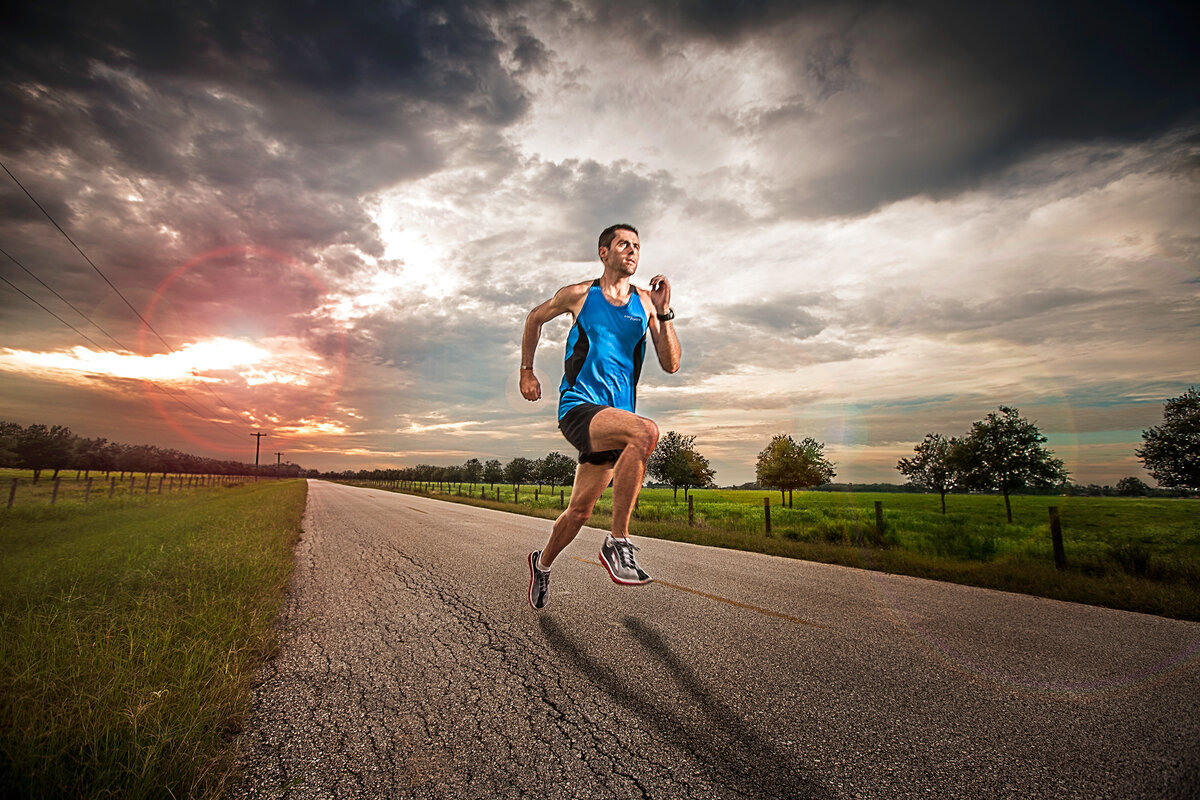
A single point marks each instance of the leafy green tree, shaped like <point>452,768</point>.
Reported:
<point>493,472</point>
<point>933,465</point>
<point>676,462</point>
<point>696,473</point>
<point>472,471</point>
<point>1132,487</point>
<point>10,434</point>
<point>786,465</point>
<point>518,471</point>
<point>1171,451</point>
<point>556,469</point>
<point>1005,451</point>
<point>40,447</point>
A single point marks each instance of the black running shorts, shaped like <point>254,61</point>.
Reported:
<point>575,426</point>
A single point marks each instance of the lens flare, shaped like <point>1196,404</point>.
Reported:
<point>262,374</point>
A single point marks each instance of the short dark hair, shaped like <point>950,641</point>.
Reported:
<point>610,233</point>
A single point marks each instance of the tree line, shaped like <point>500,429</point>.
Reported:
<point>55,447</point>
<point>1005,452</point>
<point>555,469</point>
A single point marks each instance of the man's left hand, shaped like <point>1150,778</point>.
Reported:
<point>660,294</point>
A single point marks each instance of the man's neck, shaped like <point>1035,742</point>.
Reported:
<point>615,287</point>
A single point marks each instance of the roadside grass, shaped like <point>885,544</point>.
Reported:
<point>73,486</point>
<point>130,631</point>
<point>1138,554</point>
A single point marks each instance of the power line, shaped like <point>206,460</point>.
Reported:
<point>124,299</point>
<point>85,257</point>
<point>161,389</point>
<point>152,384</point>
<point>138,314</point>
<point>51,313</point>
<point>65,300</point>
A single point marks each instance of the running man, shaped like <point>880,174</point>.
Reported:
<point>596,402</point>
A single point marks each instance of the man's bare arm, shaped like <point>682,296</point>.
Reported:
<point>566,300</point>
<point>666,344</point>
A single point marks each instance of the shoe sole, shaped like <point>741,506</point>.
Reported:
<point>615,579</point>
<point>532,567</point>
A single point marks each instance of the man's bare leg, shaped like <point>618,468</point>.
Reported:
<point>590,482</point>
<point>636,437</point>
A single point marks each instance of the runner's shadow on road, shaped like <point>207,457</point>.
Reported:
<point>738,755</point>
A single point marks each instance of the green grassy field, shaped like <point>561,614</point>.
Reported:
<point>1131,553</point>
<point>73,487</point>
<point>130,630</point>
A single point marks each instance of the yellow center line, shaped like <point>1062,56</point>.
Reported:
<point>766,611</point>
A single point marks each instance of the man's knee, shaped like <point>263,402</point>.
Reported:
<point>578,514</point>
<point>646,436</point>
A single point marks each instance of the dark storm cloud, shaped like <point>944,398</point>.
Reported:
<point>937,96</point>
<point>358,56</point>
<point>1077,69</point>
<point>254,104</point>
<point>155,132</point>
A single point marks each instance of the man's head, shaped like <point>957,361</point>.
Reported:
<point>606,235</point>
<point>620,248</point>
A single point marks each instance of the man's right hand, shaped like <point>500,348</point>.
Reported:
<point>531,387</point>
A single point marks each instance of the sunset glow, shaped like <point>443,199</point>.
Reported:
<point>191,363</point>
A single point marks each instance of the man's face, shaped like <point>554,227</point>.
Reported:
<point>622,254</point>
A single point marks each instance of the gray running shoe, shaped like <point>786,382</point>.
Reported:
<point>618,558</point>
<point>539,581</point>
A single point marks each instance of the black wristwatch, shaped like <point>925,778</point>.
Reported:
<point>667,317</point>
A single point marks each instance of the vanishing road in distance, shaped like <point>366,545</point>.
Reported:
<point>412,665</point>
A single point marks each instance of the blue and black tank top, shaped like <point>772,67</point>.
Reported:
<point>605,349</point>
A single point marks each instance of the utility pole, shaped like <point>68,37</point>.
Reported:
<point>257,442</point>
<point>277,457</point>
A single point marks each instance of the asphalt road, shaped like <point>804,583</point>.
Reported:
<point>413,666</point>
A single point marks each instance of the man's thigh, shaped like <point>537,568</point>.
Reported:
<point>613,429</point>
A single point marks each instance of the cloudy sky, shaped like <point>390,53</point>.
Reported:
<point>880,219</point>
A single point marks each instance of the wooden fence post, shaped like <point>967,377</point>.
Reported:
<point>12,493</point>
<point>767,513</point>
<point>147,483</point>
<point>112,488</point>
<point>87,490</point>
<point>878,523</point>
<point>132,485</point>
<point>1060,555</point>
<point>562,493</point>
<point>161,478</point>
<point>54,494</point>
<point>691,511</point>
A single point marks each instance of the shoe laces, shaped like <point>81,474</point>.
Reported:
<point>625,552</point>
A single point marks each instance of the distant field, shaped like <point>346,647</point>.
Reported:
<point>130,630</point>
<point>1133,553</point>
